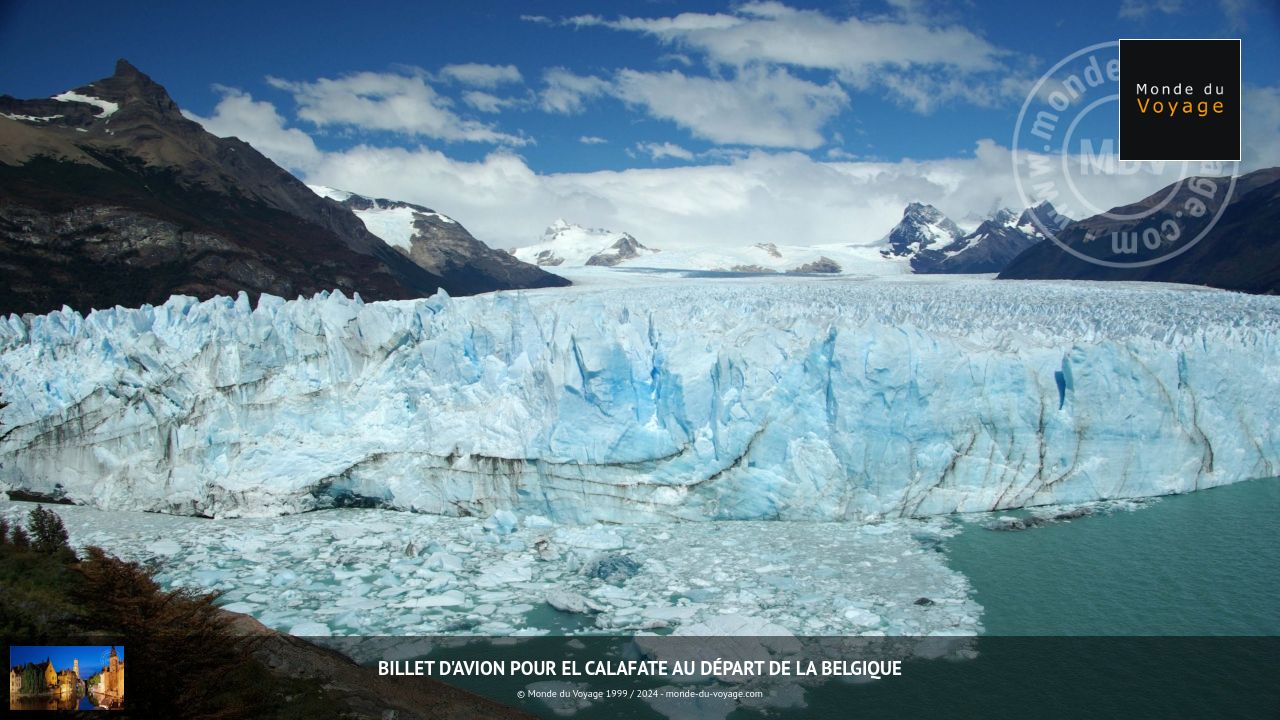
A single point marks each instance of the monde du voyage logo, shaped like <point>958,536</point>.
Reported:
<point>1176,125</point>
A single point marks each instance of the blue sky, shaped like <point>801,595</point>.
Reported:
<point>508,114</point>
<point>92,657</point>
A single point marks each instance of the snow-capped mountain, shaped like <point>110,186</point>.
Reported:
<point>832,259</point>
<point>924,241</point>
<point>933,243</point>
<point>753,399</point>
<point>922,227</point>
<point>995,242</point>
<point>565,244</point>
<point>438,243</point>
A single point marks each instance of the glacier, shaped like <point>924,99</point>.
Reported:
<point>746,399</point>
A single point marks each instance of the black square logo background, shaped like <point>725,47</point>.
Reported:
<point>1194,63</point>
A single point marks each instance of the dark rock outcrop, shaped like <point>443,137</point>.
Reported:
<point>823,265</point>
<point>625,248</point>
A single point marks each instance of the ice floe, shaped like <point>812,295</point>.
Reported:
<point>344,572</point>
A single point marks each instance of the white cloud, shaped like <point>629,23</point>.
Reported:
<point>784,197</point>
<point>746,197</point>
<point>1140,9</point>
<point>481,75</point>
<point>488,102</point>
<point>565,91</point>
<point>388,101</point>
<point>257,123</point>
<point>921,64</point>
<point>658,151</point>
<point>592,140</point>
<point>926,90</point>
<point>759,106</point>
<point>773,32</point>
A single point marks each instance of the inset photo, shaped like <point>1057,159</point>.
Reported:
<point>66,677</point>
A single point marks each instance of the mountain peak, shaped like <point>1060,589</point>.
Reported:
<point>1005,216</point>
<point>920,209</point>
<point>1043,216</point>
<point>922,226</point>
<point>125,69</point>
<point>131,88</point>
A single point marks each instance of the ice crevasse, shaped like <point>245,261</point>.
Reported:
<point>780,399</point>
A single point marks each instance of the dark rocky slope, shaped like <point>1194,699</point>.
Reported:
<point>1241,252</point>
<point>441,245</point>
<point>113,197</point>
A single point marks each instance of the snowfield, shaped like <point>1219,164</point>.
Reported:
<point>774,399</point>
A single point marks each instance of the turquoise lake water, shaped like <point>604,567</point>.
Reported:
<point>1203,563</point>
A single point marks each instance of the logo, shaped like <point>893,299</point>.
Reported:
<point>1065,152</point>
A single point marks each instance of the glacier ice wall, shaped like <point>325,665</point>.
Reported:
<point>787,399</point>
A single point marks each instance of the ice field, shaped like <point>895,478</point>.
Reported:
<point>656,400</point>
<point>382,572</point>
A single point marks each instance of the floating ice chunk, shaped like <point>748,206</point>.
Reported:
<point>611,568</point>
<point>859,616</point>
<point>504,572</point>
<point>594,537</point>
<point>537,522</point>
<point>441,560</point>
<point>545,551</point>
<point>310,629</point>
<point>668,613</point>
<point>572,602</point>
<point>164,547</point>
<point>502,522</point>
<point>284,577</point>
<point>731,624</point>
<point>448,598</point>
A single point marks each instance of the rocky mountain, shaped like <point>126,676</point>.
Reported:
<point>993,244</point>
<point>922,227</point>
<point>570,245</point>
<point>108,195</point>
<point>440,244</point>
<point>1240,252</point>
<point>935,244</point>
<point>625,248</point>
